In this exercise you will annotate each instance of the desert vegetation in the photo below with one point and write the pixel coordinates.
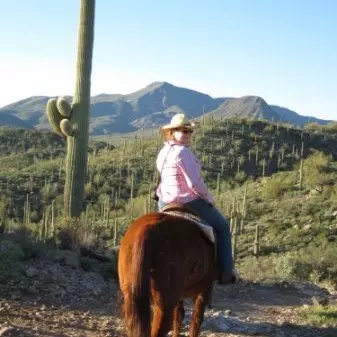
(276, 184)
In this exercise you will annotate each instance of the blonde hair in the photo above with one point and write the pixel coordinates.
(167, 134)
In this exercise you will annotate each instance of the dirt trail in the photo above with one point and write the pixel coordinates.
(62, 301)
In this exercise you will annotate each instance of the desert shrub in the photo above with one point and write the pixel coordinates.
(313, 127)
(320, 315)
(139, 206)
(276, 227)
(240, 177)
(310, 263)
(310, 208)
(315, 169)
(275, 268)
(269, 128)
(10, 256)
(77, 234)
(333, 194)
(277, 185)
(290, 268)
(109, 269)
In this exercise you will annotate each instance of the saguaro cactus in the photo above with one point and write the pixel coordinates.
(72, 121)
(301, 169)
(256, 250)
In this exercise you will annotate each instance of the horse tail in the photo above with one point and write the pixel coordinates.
(138, 305)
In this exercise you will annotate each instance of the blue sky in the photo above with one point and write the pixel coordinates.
(284, 51)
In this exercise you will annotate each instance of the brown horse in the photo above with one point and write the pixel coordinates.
(162, 260)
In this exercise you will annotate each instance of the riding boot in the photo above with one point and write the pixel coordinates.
(226, 278)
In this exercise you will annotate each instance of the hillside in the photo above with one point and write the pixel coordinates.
(247, 107)
(151, 107)
(236, 154)
(11, 121)
(283, 217)
(292, 117)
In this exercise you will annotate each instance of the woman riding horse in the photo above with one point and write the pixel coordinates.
(164, 257)
(182, 183)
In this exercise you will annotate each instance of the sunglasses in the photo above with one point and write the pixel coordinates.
(186, 131)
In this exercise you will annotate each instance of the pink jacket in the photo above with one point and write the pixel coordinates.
(181, 179)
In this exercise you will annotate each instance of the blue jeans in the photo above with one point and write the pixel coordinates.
(219, 223)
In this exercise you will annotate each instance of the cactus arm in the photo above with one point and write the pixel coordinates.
(63, 107)
(54, 116)
(66, 127)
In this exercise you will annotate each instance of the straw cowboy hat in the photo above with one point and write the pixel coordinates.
(179, 121)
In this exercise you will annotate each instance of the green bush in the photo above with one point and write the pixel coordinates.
(320, 315)
(277, 185)
(240, 177)
(291, 268)
(315, 170)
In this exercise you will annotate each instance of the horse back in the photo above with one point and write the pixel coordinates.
(179, 254)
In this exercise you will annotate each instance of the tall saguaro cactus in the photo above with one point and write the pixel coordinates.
(72, 122)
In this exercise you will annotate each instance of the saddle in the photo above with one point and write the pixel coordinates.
(185, 212)
(177, 207)
(209, 233)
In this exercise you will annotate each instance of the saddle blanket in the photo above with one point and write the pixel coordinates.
(203, 225)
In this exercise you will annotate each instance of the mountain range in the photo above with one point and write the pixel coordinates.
(149, 107)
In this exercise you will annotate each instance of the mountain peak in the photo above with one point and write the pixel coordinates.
(151, 106)
(149, 89)
(158, 84)
(253, 99)
(246, 106)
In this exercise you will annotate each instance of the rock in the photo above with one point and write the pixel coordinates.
(216, 314)
(3, 331)
(60, 292)
(72, 262)
(307, 227)
(68, 258)
(316, 191)
(318, 300)
(280, 333)
(32, 289)
(15, 297)
(228, 312)
(31, 271)
(280, 321)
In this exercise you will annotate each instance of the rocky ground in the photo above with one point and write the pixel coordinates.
(57, 298)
